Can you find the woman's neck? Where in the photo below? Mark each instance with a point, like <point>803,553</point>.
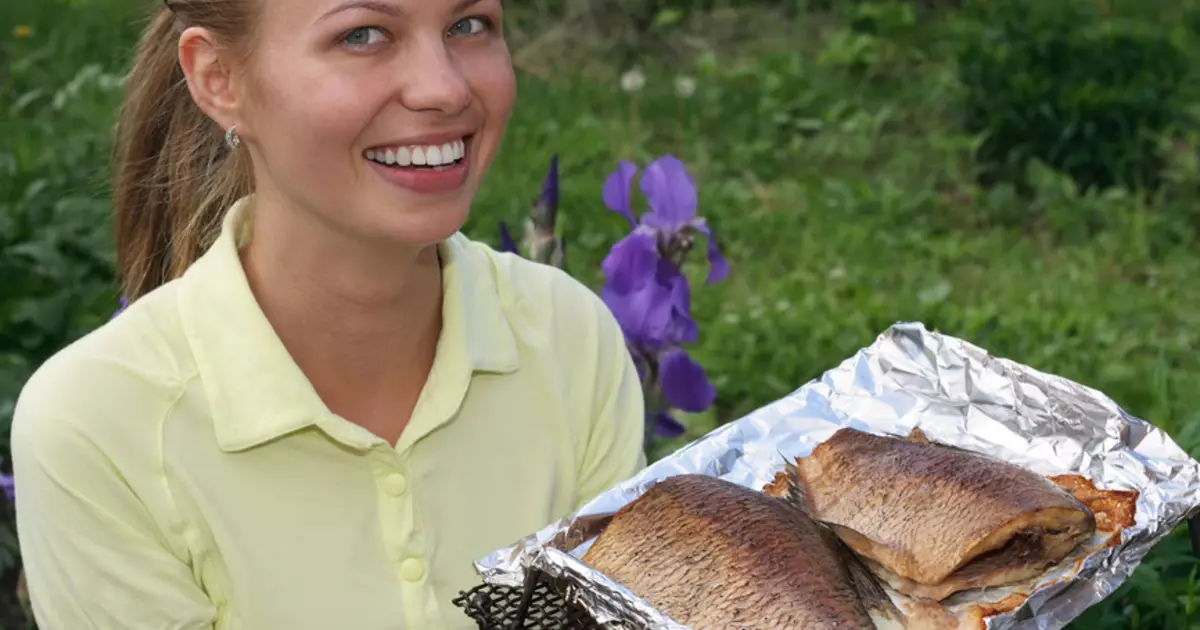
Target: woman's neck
<point>361,320</point>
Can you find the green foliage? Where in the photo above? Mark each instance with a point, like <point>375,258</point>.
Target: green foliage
<point>55,254</point>
<point>1061,83</point>
<point>833,166</point>
<point>664,13</point>
<point>57,97</point>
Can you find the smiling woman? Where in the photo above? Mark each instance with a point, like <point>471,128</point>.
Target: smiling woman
<point>320,387</point>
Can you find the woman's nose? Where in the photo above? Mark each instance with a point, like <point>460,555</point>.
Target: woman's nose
<point>434,80</point>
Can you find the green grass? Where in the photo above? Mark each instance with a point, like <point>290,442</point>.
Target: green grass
<point>828,161</point>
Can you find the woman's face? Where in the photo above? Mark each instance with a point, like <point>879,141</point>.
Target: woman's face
<point>380,117</point>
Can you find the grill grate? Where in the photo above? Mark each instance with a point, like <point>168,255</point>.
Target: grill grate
<point>539,605</point>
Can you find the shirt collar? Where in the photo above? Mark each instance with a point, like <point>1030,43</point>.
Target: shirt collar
<point>256,391</point>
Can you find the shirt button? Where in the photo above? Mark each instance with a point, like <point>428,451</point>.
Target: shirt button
<point>193,538</point>
<point>412,569</point>
<point>395,484</point>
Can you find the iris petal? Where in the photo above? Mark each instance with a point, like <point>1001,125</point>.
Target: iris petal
<point>632,261</point>
<point>642,314</point>
<point>550,185</point>
<point>671,194</point>
<point>618,189</point>
<point>684,382</point>
<point>124,304</point>
<point>507,244</point>
<point>718,267</point>
<point>667,426</point>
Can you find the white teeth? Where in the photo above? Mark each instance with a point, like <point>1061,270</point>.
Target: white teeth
<point>430,155</point>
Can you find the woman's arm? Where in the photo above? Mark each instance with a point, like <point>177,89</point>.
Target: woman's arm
<point>615,449</point>
<point>94,555</point>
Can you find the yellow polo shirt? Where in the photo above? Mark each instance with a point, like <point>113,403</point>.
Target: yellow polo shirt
<point>175,470</point>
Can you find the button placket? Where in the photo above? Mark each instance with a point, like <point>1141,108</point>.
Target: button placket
<point>401,535</point>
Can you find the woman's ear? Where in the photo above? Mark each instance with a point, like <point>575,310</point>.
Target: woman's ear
<point>208,77</point>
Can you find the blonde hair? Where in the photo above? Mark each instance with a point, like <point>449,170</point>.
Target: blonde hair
<point>174,176</point>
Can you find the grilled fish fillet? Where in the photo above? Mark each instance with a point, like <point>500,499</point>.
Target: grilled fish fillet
<point>931,519</point>
<point>711,554</point>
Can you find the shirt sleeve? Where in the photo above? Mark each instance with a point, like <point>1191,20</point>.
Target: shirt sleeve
<point>615,449</point>
<point>94,556</point>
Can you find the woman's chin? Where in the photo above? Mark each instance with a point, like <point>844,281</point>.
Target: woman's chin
<point>428,224</point>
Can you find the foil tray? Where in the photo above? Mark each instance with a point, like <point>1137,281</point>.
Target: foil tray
<point>956,393</point>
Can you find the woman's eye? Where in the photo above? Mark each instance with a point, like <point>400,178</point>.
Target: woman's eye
<point>363,36</point>
<point>470,26</point>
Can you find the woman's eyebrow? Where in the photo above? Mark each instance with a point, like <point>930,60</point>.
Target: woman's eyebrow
<point>463,5</point>
<point>371,5</point>
<point>387,8</point>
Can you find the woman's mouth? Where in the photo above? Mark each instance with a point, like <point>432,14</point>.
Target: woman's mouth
<point>429,169</point>
<point>426,157</point>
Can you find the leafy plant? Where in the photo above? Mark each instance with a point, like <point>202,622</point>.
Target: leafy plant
<point>542,241</point>
<point>1060,83</point>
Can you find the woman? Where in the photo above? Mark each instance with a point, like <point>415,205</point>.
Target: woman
<point>323,402</point>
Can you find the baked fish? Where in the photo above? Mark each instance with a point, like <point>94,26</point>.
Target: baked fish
<point>932,520</point>
<point>711,554</point>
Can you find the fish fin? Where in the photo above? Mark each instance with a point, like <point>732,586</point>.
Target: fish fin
<point>917,436</point>
<point>868,587</point>
<point>888,622</point>
<point>797,495</point>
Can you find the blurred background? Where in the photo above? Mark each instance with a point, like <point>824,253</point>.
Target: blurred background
<point>1022,174</point>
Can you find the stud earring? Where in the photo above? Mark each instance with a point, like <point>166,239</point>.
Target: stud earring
<point>232,139</point>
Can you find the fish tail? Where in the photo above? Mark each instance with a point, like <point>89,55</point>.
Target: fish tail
<point>867,585</point>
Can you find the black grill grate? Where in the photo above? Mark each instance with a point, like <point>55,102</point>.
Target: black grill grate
<point>539,605</point>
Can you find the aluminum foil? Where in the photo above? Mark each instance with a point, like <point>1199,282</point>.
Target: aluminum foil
<point>956,393</point>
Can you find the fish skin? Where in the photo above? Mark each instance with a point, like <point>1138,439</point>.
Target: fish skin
<point>711,554</point>
<point>884,496</point>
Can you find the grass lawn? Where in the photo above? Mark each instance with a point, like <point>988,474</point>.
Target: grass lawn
<point>829,162</point>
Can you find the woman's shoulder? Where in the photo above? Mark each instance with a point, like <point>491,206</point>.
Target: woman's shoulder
<point>113,375</point>
<point>547,297</point>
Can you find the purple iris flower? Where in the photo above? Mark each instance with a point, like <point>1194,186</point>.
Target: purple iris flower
<point>507,244</point>
<point>681,383</point>
<point>124,303</point>
<point>654,310</point>
<point>665,425</point>
<point>540,240</point>
<point>10,490</point>
<point>684,383</point>
<point>645,287</point>
<point>671,223</point>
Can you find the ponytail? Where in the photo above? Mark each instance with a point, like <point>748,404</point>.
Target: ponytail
<point>174,175</point>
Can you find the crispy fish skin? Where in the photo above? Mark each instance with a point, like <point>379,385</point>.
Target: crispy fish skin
<point>714,555</point>
<point>934,519</point>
